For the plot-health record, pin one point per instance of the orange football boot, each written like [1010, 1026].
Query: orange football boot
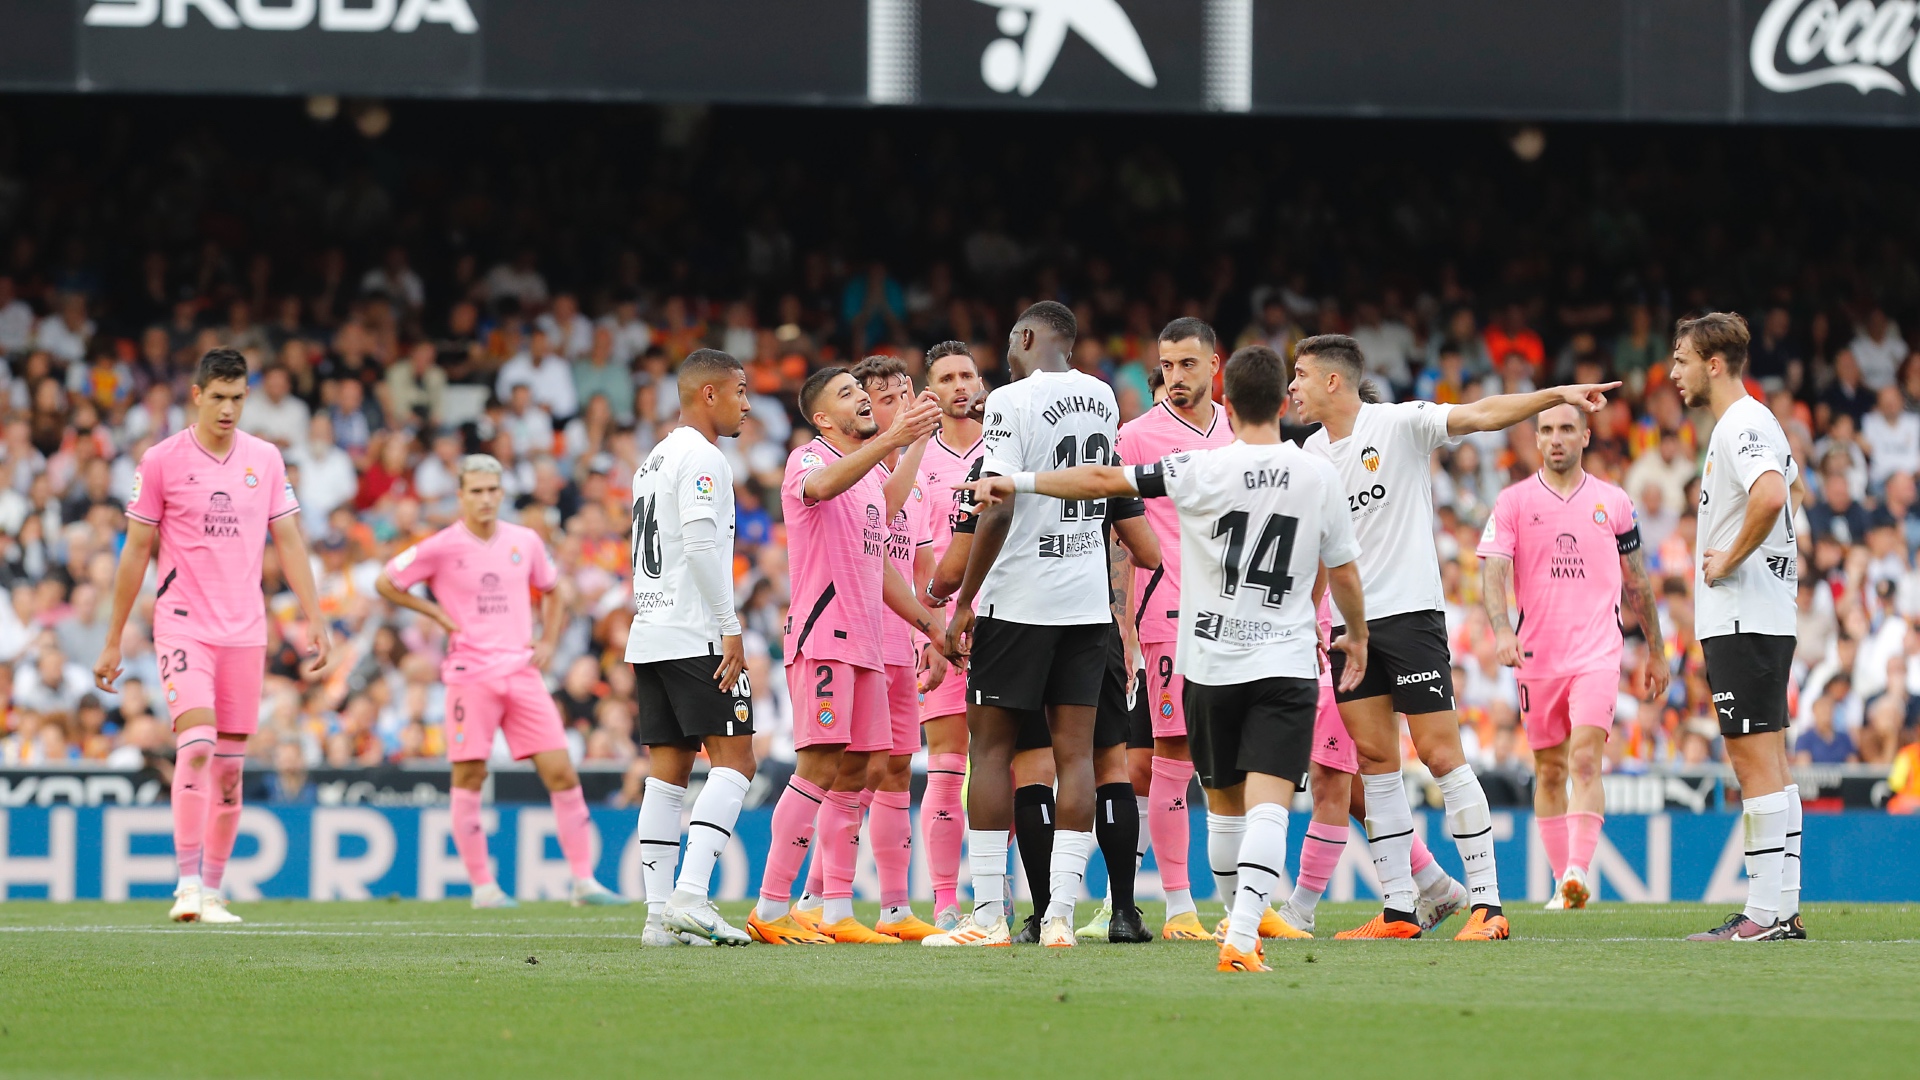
[1232, 959]
[783, 931]
[911, 928]
[850, 931]
[1378, 927]
[1483, 927]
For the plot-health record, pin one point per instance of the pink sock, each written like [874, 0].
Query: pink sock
[575, 827]
[1419, 858]
[1583, 835]
[223, 820]
[817, 876]
[470, 836]
[943, 825]
[1167, 819]
[1553, 837]
[839, 842]
[792, 834]
[1320, 853]
[890, 828]
[192, 792]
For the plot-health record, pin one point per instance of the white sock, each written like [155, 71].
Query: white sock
[714, 814]
[659, 836]
[836, 908]
[1429, 877]
[1146, 834]
[1390, 834]
[1224, 835]
[1067, 872]
[768, 910]
[896, 914]
[1790, 867]
[809, 902]
[189, 881]
[1471, 823]
[987, 862]
[1262, 856]
[1179, 902]
[1766, 837]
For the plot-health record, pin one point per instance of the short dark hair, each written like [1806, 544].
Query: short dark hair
[812, 388]
[1253, 383]
[703, 367]
[1056, 316]
[220, 365]
[1339, 349]
[949, 348]
[1185, 327]
[883, 368]
[1717, 332]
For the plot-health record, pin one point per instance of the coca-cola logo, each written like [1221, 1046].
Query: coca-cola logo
[1801, 44]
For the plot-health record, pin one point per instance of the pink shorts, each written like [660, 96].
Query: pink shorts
[224, 678]
[947, 699]
[1552, 708]
[1165, 690]
[838, 704]
[1332, 747]
[903, 708]
[517, 704]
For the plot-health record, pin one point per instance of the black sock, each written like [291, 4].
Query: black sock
[1033, 830]
[1394, 915]
[1116, 824]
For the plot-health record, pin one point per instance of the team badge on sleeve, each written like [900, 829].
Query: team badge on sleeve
[703, 484]
[812, 460]
[136, 486]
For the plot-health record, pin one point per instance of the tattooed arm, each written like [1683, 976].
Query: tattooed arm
[1496, 580]
[1636, 595]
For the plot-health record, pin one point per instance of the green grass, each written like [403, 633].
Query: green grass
[434, 989]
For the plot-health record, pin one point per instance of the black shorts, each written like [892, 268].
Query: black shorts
[1113, 718]
[679, 705]
[1748, 676]
[1023, 666]
[1407, 660]
[1264, 726]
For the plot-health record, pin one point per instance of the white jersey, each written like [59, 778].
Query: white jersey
[1385, 471]
[1052, 570]
[685, 478]
[1256, 523]
[1758, 597]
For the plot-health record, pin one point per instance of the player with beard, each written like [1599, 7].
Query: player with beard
[1745, 584]
[1039, 570]
[211, 495]
[836, 514]
[1540, 543]
[912, 667]
[1383, 454]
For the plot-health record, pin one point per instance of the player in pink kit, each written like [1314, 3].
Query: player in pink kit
[952, 456]
[482, 572]
[212, 494]
[835, 508]
[1186, 420]
[1566, 541]
[886, 796]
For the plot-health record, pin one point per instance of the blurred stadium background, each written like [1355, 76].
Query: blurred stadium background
[440, 226]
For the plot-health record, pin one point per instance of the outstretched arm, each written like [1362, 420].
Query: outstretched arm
[1502, 411]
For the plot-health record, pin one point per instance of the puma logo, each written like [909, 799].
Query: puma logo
[1728, 713]
[1255, 893]
[1437, 691]
[650, 864]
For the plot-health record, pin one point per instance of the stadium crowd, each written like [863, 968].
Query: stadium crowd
[511, 284]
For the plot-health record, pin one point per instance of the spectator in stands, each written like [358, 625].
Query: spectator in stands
[1878, 348]
[1824, 744]
[49, 682]
[16, 319]
[417, 388]
[568, 331]
[1837, 514]
[327, 476]
[274, 413]
[1849, 394]
[1892, 438]
[541, 370]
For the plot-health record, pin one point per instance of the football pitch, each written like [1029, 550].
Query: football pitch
[402, 989]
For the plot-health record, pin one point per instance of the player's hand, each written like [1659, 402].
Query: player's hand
[1591, 397]
[107, 671]
[1507, 648]
[959, 635]
[1656, 675]
[932, 599]
[319, 647]
[933, 668]
[733, 660]
[445, 620]
[1356, 665]
[542, 655]
[988, 490]
[1715, 566]
[914, 423]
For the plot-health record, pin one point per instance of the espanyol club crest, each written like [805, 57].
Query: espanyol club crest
[1599, 513]
[1166, 705]
[825, 717]
[703, 484]
[251, 480]
[172, 694]
[513, 556]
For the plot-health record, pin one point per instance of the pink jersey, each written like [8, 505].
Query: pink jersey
[1144, 440]
[902, 533]
[1566, 571]
[835, 553]
[211, 514]
[941, 467]
[484, 585]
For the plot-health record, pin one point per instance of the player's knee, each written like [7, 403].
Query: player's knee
[1586, 766]
[1549, 771]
